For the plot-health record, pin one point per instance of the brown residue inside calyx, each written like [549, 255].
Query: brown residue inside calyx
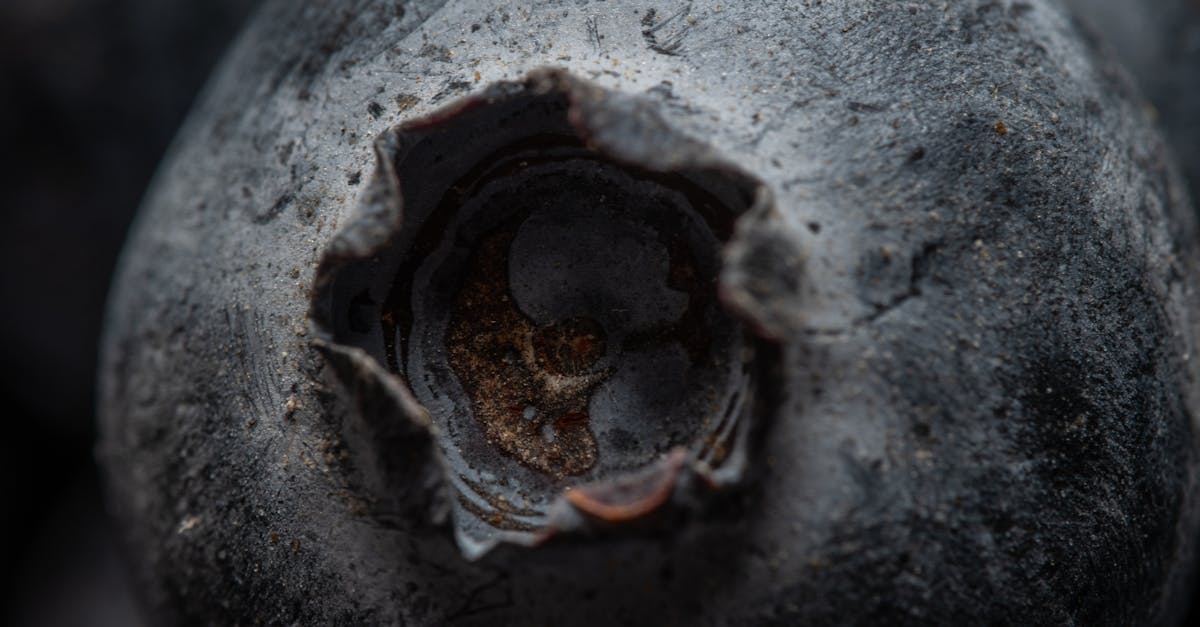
[529, 386]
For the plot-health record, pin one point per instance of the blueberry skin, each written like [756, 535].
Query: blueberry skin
[987, 382]
[1158, 43]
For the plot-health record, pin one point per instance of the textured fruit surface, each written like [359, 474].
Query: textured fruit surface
[1158, 43]
[980, 279]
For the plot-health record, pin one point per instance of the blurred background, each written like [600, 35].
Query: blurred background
[91, 93]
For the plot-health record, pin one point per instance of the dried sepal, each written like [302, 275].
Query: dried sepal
[535, 276]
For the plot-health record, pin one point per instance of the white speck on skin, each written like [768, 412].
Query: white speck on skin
[187, 524]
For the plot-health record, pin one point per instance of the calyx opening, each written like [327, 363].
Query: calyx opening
[546, 287]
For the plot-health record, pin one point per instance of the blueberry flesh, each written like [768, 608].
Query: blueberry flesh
[961, 273]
